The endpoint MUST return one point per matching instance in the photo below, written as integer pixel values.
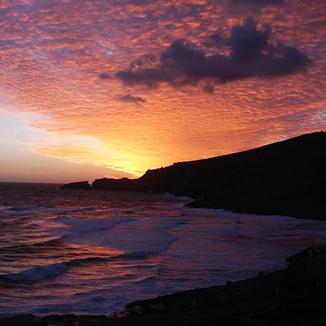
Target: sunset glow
(95, 88)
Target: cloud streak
(261, 3)
(128, 98)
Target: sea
(93, 252)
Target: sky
(94, 88)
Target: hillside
(286, 178)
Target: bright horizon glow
(66, 116)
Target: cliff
(77, 185)
(286, 177)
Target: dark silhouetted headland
(285, 178)
(77, 185)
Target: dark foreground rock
(77, 185)
(293, 296)
(284, 178)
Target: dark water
(93, 252)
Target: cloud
(104, 76)
(44, 71)
(256, 2)
(128, 98)
(251, 54)
(208, 88)
(241, 7)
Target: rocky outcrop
(123, 184)
(285, 178)
(77, 185)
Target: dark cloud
(128, 98)
(104, 75)
(247, 43)
(209, 88)
(251, 54)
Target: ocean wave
(139, 238)
(48, 210)
(33, 244)
(5, 208)
(80, 225)
(38, 273)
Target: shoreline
(317, 212)
(290, 296)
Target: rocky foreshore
(292, 296)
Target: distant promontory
(283, 178)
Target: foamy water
(94, 252)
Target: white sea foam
(139, 237)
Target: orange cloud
(52, 52)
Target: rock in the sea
(77, 185)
